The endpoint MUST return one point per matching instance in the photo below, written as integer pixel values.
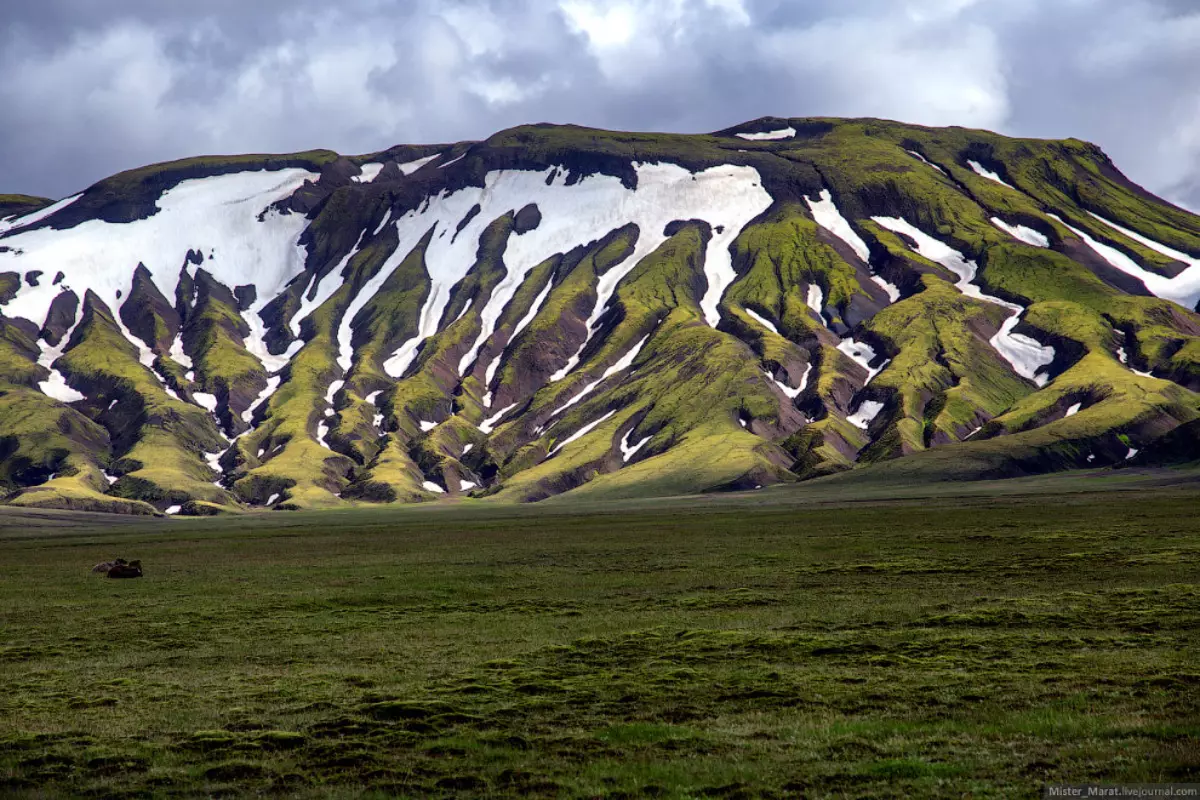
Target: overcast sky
(89, 88)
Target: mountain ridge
(558, 309)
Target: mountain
(565, 310)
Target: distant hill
(560, 309)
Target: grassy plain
(831, 640)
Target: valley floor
(982, 639)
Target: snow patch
(892, 290)
(787, 390)
(203, 213)
(625, 362)
(272, 384)
(783, 133)
(489, 424)
(827, 215)
(761, 320)
(1073, 410)
(16, 223)
(206, 401)
(984, 172)
(1022, 233)
(1183, 289)
(468, 448)
(816, 299)
(174, 509)
(178, 356)
(369, 173)
(56, 385)
(334, 388)
(466, 486)
(1133, 451)
(271, 500)
(430, 486)
(628, 451)
(866, 414)
(862, 354)
(1026, 356)
(323, 288)
(452, 161)
(427, 426)
(925, 161)
(584, 431)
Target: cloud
(92, 88)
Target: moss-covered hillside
(560, 311)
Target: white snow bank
(1183, 289)
(272, 384)
(334, 388)
(787, 390)
(761, 320)
(925, 161)
(1073, 410)
(174, 509)
(16, 223)
(466, 486)
(1026, 356)
(315, 296)
(56, 385)
(430, 486)
(816, 298)
(1133, 451)
(892, 290)
(984, 172)
(627, 451)
(217, 215)
(206, 401)
(468, 448)
(489, 424)
(782, 133)
(827, 215)
(584, 431)
(177, 355)
(866, 414)
(452, 161)
(1022, 233)
(322, 432)
(427, 426)
(271, 500)
(863, 354)
(624, 363)
(409, 167)
(369, 173)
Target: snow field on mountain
(56, 385)
(323, 288)
(15, 223)
(862, 354)
(984, 172)
(1183, 289)
(624, 363)
(761, 320)
(629, 451)
(925, 161)
(579, 434)
(827, 215)
(1022, 233)
(783, 133)
(866, 414)
(1026, 356)
(727, 197)
(217, 215)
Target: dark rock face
(527, 219)
(246, 295)
(148, 315)
(62, 315)
(32, 277)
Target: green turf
(973, 640)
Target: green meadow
(828, 641)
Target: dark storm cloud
(91, 88)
